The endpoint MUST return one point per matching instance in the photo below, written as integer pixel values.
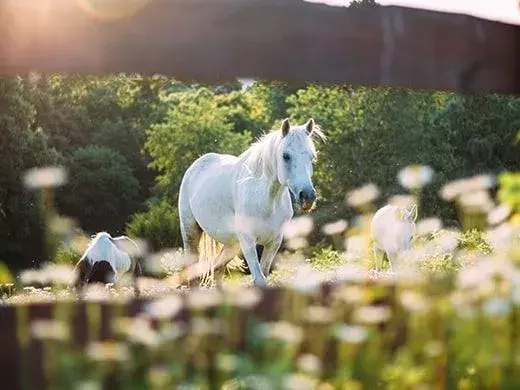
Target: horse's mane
(260, 157)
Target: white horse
(241, 202)
(392, 229)
(106, 259)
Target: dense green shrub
(159, 225)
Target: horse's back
(388, 230)
(209, 171)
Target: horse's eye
(286, 157)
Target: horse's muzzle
(307, 199)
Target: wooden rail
(291, 40)
(271, 307)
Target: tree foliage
(101, 191)
(194, 125)
(128, 139)
(22, 146)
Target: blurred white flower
(298, 382)
(297, 243)
(334, 228)
(96, 293)
(89, 385)
(350, 294)
(356, 246)
(283, 331)
(500, 237)
(427, 226)
(305, 280)
(309, 363)
(50, 330)
(499, 214)
(201, 299)
(45, 177)
(227, 362)
(413, 301)
(372, 314)
(351, 333)
(108, 351)
(496, 307)
(242, 297)
(476, 201)
(139, 331)
(363, 195)
(319, 314)
(242, 223)
(61, 225)
(204, 326)
(415, 176)
(350, 273)
(31, 276)
(164, 307)
(59, 273)
(433, 348)
(455, 188)
(298, 227)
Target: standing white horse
(106, 259)
(241, 202)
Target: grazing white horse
(241, 202)
(106, 259)
(392, 229)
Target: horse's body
(392, 229)
(244, 201)
(107, 258)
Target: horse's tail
(208, 252)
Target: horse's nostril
(301, 196)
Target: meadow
(448, 317)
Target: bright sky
(502, 10)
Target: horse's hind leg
(191, 232)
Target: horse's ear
(310, 126)
(285, 127)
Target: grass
(447, 318)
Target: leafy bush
(159, 225)
(66, 254)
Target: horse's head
(296, 154)
(101, 272)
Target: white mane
(261, 157)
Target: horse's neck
(276, 191)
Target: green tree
(194, 125)
(22, 146)
(101, 192)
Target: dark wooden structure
(217, 40)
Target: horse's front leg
(248, 246)
(269, 253)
